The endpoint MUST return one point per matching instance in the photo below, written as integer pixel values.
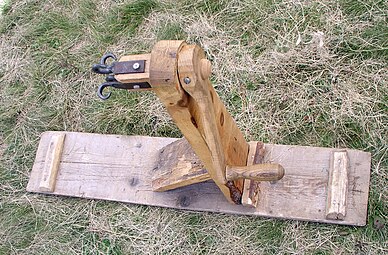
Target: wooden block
(337, 186)
(51, 163)
(120, 168)
(178, 166)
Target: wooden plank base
(120, 168)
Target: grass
(290, 72)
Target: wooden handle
(259, 172)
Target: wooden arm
(179, 75)
(219, 131)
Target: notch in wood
(51, 164)
(337, 186)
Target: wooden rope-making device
(213, 168)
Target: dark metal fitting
(118, 85)
(102, 67)
(124, 67)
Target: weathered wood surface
(52, 161)
(337, 186)
(178, 166)
(120, 168)
(251, 187)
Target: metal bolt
(136, 66)
(187, 80)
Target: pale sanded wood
(203, 109)
(197, 111)
(120, 168)
(220, 132)
(337, 186)
(256, 172)
(178, 166)
(52, 160)
(183, 108)
(165, 82)
(250, 195)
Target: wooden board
(120, 168)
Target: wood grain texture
(203, 109)
(191, 114)
(256, 172)
(113, 167)
(165, 82)
(337, 186)
(250, 195)
(220, 132)
(52, 160)
(178, 166)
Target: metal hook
(107, 56)
(110, 80)
(102, 67)
(101, 88)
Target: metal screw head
(187, 80)
(136, 66)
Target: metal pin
(187, 80)
(136, 66)
(136, 86)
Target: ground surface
(292, 72)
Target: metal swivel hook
(101, 89)
(105, 57)
(110, 82)
(124, 67)
(102, 67)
